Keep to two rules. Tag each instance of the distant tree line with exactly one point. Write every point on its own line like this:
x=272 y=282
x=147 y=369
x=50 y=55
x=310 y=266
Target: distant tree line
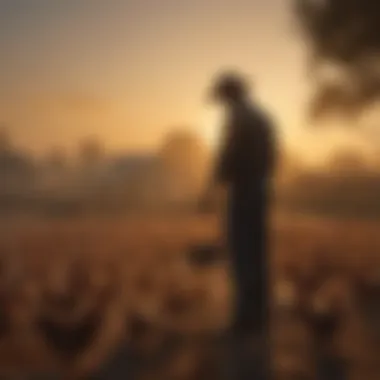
x=171 y=178
x=94 y=180
x=345 y=186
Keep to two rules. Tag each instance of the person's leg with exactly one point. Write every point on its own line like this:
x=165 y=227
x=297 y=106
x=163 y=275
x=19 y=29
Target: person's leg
x=249 y=344
x=249 y=260
x=247 y=238
x=240 y=268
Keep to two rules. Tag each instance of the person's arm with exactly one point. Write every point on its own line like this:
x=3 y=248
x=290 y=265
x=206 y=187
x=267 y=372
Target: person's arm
x=261 y=149
x=225 y=161
x=270 y=148
x=222 y=173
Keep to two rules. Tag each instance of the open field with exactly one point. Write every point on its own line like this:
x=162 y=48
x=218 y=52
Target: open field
x=72 y=291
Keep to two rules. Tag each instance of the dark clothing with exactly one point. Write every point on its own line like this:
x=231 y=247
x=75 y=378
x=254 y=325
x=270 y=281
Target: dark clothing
x=246 y=164
x=246 y=224
x=248 y=153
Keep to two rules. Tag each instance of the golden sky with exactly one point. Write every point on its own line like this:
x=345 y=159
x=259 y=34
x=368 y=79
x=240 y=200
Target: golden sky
x=129 y=70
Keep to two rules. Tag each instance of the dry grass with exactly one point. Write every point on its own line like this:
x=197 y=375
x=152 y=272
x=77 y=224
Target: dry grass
x=134 y=277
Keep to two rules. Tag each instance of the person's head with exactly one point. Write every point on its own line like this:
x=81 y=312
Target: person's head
x=230 y=88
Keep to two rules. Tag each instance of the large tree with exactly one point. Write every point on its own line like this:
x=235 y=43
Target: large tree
x=343 y=37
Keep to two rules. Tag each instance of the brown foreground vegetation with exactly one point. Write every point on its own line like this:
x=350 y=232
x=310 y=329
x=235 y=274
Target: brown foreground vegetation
x=73 y=291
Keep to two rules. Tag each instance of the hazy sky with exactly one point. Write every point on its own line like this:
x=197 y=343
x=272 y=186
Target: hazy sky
x=128 y=70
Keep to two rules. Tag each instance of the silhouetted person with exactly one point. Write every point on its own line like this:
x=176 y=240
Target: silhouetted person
x=245 y=165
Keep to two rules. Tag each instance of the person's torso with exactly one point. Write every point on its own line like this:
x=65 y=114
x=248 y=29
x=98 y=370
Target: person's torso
x=252 y=161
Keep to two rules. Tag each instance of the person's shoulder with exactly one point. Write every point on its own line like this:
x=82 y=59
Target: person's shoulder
x=261 y=116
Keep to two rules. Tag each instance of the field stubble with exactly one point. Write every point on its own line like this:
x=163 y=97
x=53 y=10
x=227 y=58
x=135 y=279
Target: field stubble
x=72 y=291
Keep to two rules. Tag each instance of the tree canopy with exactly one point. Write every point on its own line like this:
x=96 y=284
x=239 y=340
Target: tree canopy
x=343 y=38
